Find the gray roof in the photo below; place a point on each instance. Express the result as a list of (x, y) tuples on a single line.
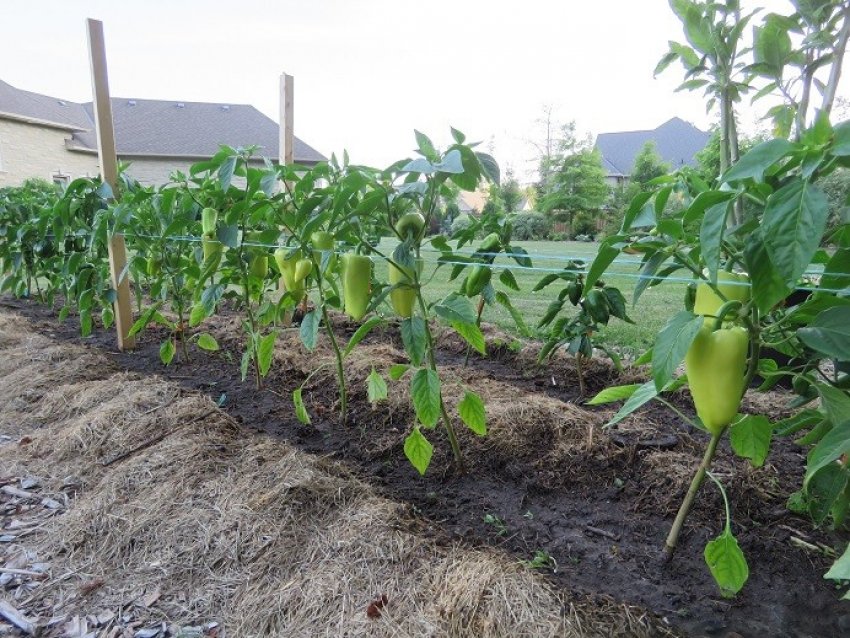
[(160, 128), (676, 141)]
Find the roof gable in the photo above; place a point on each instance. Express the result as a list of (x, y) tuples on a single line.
[(161, 128), (676, 141)]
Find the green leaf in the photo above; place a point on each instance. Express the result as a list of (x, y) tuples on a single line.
[(167, 351), (823, 488), (604, 258), (376, 387), (472, 335), (759, 158), (727, 564), (837, 271), (309, 330), (247, 357), (794, 222), (472, 413), (750, 437), (426, 146), (704, 201), (414, 339), (647, 273), (456, 308), (425, 393), (614, 393), (143, 321), (418, 451), (642, 395), (507, 278), (832, 446), (504, 300), (364, 329), (835, 402), (672, 345), (711, 236), (207, 342), (228, 235), (840, 569), (841, 139), (198, 314), (398, 370), (225, 172), (772, 46), (265, 352), (300, 410), (829, 333), (768, 287)]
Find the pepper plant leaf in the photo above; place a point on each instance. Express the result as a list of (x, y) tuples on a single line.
[(832, 446), (472, 413), (794, 221), (727, 564), (822, 490), (265, 352), (418, 451), (376, 387), (829, 333), (672, 345), (300, 410), (456, 308), (614, 393), (750, 437), (413, 337), (427, 400), (472, 335), (361, 333), (207, 342), (166, 351), (757, 160)]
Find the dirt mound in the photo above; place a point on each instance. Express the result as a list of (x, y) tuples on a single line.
[(169, 515)]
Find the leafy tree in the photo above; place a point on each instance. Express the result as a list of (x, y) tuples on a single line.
[(648, 165), (577, 186), (509, 192)]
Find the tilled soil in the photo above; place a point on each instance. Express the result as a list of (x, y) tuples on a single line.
[(594, 505)]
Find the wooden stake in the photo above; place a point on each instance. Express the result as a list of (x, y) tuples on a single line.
[(286, 135), (109, 171), (286, 147)]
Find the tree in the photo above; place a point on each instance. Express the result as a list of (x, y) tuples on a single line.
[(577, 185), (648, 165), (510, 193)]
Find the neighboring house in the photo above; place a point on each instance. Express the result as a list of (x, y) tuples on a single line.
[(55, 139), (676, 141)]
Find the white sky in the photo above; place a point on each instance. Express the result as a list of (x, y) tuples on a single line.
[(368, 72)]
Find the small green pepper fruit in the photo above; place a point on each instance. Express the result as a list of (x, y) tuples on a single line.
[(733, 285), (154, 266), (323, 241), (45, 249), (412, 223), (403, 298), (477, 280), (212, 247), (356, 284), (716, 367), (303, 268), (491, 244), (259, 265), (287, 262), (209, 220)]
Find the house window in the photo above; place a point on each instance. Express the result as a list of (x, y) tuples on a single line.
[(61, 179)]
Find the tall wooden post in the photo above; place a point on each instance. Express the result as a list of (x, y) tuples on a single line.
[(286, 145), (109, 172)]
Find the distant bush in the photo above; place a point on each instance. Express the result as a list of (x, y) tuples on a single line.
[(583, 225), (530, 226), (559, 237), (461, 222)]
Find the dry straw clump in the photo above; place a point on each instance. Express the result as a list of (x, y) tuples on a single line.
[(246, 530)]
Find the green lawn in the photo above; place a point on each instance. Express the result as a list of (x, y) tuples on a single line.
[(651, 312)]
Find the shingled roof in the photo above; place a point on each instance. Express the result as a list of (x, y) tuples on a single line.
[(676, 141), (156, 128)]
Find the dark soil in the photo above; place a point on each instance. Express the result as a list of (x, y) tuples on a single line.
[(598, 502)]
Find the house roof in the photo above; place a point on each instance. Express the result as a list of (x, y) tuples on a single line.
[(676, 141), (159, 128)]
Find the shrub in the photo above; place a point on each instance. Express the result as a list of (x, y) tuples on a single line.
[(531, 226), (461, 222)]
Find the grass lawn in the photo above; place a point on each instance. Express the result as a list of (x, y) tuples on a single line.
[(653, 309)]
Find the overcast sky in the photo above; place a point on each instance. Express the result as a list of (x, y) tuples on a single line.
[(368, 72)]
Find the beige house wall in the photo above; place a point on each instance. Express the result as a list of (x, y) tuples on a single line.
[(152, 171), (32, 150)]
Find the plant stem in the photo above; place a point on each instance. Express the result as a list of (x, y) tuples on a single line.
[(478, 324), (432, 363), (696, 482), (340, 369), (581, 387), (246, 299)]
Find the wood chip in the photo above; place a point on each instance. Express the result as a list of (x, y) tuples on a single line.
[(18, 619), (152, 597)]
